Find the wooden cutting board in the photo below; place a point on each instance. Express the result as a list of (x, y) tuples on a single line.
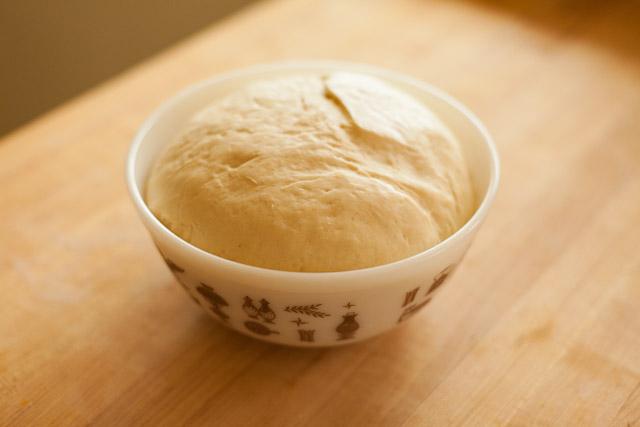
[(540, 325)]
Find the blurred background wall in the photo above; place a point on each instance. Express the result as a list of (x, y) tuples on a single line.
[(55, 49)]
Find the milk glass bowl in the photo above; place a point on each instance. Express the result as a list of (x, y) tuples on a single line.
[(310, 309)]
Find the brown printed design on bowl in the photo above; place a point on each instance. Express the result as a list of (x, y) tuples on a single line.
[(216, 301), (306, 335), (347, 328), (264, 313), (259, 328), (311, 310), (410, 296)]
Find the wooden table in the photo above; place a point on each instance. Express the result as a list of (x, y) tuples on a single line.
[(540, 325)]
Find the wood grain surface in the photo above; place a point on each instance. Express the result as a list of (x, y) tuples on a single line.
[(539, 326)]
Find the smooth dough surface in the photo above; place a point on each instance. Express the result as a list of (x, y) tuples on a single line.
[(313, 173)]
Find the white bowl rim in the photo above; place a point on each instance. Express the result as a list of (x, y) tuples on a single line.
[(316, 281)]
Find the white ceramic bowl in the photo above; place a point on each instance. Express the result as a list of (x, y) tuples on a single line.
[(310, 309)]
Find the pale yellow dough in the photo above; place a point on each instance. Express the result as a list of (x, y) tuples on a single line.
[(313, 173)]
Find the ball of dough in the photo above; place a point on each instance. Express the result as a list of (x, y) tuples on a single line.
[(313, 173)]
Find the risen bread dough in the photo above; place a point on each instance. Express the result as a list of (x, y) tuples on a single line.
[(313, 173)]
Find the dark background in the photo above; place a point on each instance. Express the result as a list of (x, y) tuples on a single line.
[(53, 50)]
